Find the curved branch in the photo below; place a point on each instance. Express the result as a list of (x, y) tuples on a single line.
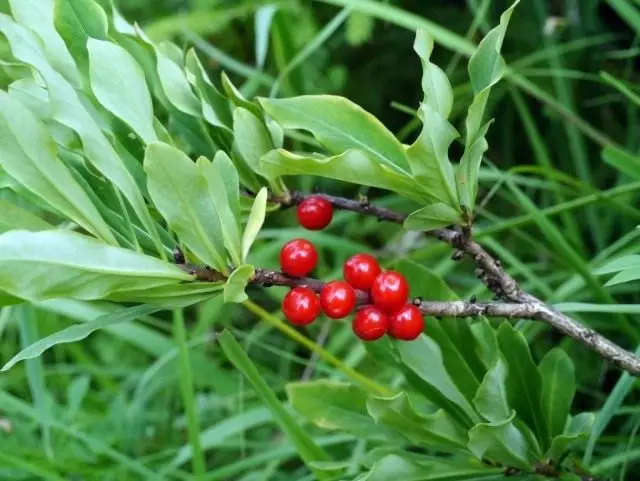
[(490, 271)]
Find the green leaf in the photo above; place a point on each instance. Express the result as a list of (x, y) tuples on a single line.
[(175, 296), (423, 357), (251, 138), (524, 384), (429, 158), (501, 442), (340, 125), (337, 405), (308, 450), (438, 94), (434, 430), (237, 98), (118, 83), (351, 166), (359, 28), (38, 15), (255, 221), (176, 86), (397, 467), (558, 388), (181, 195), (622, 160), (223, 188), (237, 283), (627, 268), (70, 111), (14, 217), (215, 106), (78, 21), (491, 399), (429, 154), (432, 217), (50, 264), (77, 332), (578, 428), (29, 155), (486, 68), (455, 339)]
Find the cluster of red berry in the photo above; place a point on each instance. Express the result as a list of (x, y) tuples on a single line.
[(388, 292)]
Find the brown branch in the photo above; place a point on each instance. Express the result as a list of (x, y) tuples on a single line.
[(490, 271)]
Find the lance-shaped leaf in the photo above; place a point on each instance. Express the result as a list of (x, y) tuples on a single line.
[(223, 188), (251, 138), (237, 283), (558, 388), (502, 442), (215, 106), (486, 68), (524, 384), (351, 166), (29, 155), (78, 21), (435, 430), (180, 193), (176, 86), (49, 264), (433, 216), (491, 400), (118, 83), (337, 406), (423, 357), (340, 125), (578, 428), (255, 221), (429, 154)]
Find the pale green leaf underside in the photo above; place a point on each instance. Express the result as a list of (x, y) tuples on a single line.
[(49, 264)]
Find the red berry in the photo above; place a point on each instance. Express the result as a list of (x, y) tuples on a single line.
[(315, 213), (361, 270), (406, 323), (301, 306), (298, 257), (389, 290), (370, 323), (338, 299)]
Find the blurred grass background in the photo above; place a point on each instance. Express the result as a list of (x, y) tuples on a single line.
[(553, 209)]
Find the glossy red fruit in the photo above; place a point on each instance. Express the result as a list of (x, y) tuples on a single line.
[(370, 323), (389, 291), (337, 299), (301, 306), (315, 213), (406, 323), (361, 270), (298, 257)]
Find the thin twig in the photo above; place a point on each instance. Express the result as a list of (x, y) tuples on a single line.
[(490, 271)]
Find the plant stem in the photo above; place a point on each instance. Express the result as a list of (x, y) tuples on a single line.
[(188, 396), (322, 353)]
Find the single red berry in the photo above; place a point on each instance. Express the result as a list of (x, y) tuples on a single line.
[(361, 270), (338, 299), (315, 213), (406, 323), (389, 290), (298, 257), (370, 323), (301, 306)]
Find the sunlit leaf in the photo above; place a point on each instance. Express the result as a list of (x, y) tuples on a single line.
[(255, 221), (48, 264), (237, 283)]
